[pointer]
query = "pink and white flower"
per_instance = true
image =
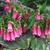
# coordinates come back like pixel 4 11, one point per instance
pixel 10 28
pixel 15 15
pixel 38 16
pixel 1 32
pixel 34 29
pixel 6 8
pixel 39 31
pixel 20 30
pixel 8 36
pixel 4 36
pixel 7 1
pixel 49 30
pixel 12 36
pixel 46 30
pixel 16 34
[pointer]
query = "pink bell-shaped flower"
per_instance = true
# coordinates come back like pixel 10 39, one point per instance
pixel 15 15
pixel 19 18
pixel 8 36
pixel 34 29
pixel 10 28
pixel 16 34
pixel 46 30
pixel 43 34
pixel 12 36
pixel 1 32
pixel 38 16
pixel 7 1
pixel 20 30
pixel 6 7
pixel 42 17
pixel 39 31
pixel 49 30
pixel 4 36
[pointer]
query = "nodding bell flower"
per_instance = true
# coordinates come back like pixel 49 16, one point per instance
pixel 10 28
pixel 12 36
pixel 20 30
pixel 16 34
pixel 42 17
pixel 7 1
pixel 34 29
pixel 6 8
pixel 46 30
pixel 15 15
pixel 39 30
pixel 49 30
pixel 38 16
pixel 1 32
pixel 19 18
pixel 43 34
pixel 7 36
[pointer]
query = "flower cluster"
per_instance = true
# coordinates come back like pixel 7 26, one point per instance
pixel 37 29
pixel 12 32
pixel 15 24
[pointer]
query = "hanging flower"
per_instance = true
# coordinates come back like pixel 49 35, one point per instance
pixel 20 30
pixel 6 8
pixel 10 28
pixel 8 37
pixel 1 32
pixel 34 29
pixel 19 18
pixel 15 15
pixel 39 30
pixel 49 30
pixel 46 30
pixel 38 16
pixel 43 34
pixel 16 33
pixel 4 36
pixel 12 36
pixel 42 17
pixel 7 1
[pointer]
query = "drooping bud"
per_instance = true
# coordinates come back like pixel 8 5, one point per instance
pixel 42 17
pixel 38 16
pixel 6 8
pixel 15 15
pixel 25 28
pixel 20 30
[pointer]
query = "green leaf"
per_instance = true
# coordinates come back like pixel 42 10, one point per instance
pixel 30 22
